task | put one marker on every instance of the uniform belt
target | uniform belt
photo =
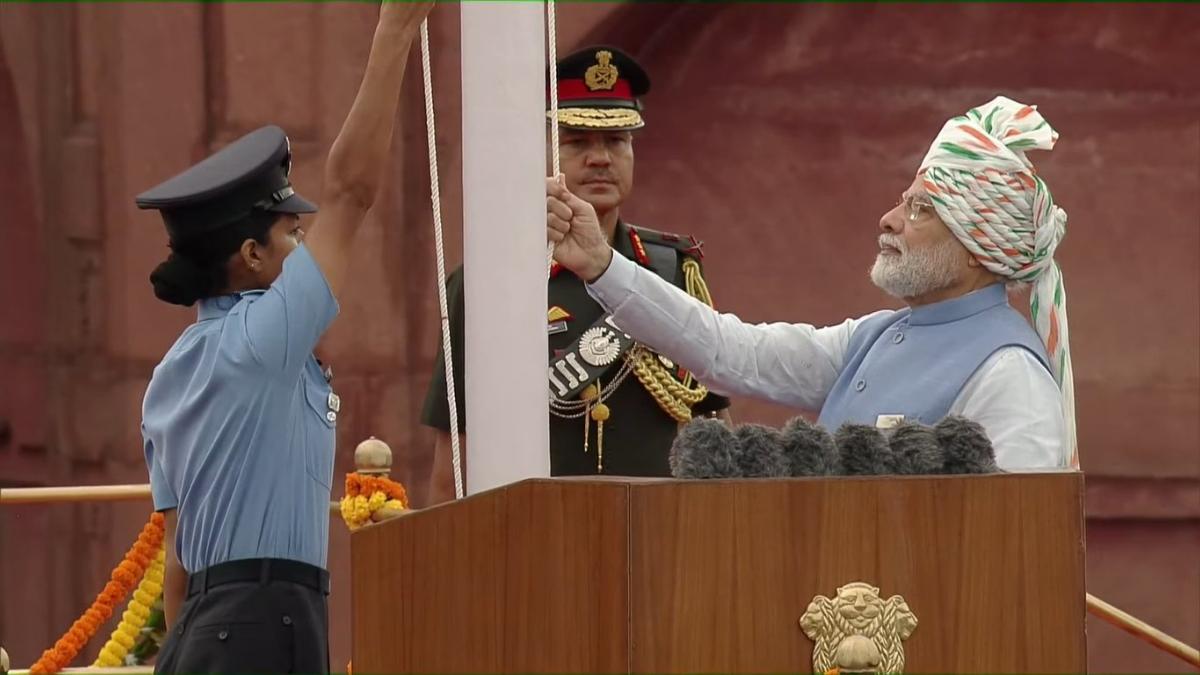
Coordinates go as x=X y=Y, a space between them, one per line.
x=261 y=570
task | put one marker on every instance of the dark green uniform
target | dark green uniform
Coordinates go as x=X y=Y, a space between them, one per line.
x=638 y=433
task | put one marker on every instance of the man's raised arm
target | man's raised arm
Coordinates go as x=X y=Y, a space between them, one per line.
x=792 y=364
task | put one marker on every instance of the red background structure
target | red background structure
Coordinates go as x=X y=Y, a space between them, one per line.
x=778 y=133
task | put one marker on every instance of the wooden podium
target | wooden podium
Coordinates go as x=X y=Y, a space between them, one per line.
x=650 y=575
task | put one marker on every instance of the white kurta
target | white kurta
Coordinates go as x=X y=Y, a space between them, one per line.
x=1011 y=394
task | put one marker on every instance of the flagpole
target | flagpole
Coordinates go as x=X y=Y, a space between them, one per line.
x=504 y=242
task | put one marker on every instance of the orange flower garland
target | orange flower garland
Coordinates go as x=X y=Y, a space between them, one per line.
x=371 y=498
x=361 y=484
x=124 y=639
x=124 y=578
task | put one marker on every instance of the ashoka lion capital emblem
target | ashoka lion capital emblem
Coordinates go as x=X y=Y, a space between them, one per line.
x=857 y=631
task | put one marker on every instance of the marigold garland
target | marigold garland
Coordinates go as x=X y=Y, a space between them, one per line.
x=368 y=496
x=363 y=484
x=136 y=613
x=152 y=636
x=119 y=586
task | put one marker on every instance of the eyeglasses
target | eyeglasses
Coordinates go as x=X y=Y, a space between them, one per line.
x=914 y=206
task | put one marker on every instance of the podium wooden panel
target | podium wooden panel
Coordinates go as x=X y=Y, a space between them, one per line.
x=629 y=575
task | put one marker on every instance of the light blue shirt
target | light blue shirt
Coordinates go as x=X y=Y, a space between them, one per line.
x=238 y=424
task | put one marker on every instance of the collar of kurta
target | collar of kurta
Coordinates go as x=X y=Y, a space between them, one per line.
x=219 y=306
x=960 y=307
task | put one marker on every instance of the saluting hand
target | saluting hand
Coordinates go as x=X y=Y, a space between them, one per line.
x=572 y=225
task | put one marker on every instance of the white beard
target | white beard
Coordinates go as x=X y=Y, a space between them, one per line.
x=914 y=273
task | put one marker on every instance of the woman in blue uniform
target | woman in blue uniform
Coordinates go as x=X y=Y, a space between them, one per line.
x=239 y=419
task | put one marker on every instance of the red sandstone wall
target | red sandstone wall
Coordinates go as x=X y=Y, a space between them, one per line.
x=790 y=129
x=778 y=133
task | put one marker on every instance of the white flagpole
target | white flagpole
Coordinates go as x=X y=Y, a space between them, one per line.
x=504 y=242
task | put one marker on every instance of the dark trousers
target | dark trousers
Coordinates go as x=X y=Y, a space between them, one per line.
x=251 y=616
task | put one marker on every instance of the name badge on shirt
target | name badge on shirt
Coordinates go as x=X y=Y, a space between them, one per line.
x=556 y=320
x=335 y=406
x=888 y=421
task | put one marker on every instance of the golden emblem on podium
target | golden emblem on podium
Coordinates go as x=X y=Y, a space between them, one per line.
x=857 y=631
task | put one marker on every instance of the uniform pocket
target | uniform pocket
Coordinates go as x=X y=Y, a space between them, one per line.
x=236 y=648
x=320 y=431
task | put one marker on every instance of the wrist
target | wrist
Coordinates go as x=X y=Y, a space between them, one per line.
x=600 y=265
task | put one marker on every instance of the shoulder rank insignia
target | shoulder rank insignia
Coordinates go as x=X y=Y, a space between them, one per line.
x=639 y=250
x=688 y=245
x=603 y=75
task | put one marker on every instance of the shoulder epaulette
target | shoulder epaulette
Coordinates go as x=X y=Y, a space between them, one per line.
x=686 y=244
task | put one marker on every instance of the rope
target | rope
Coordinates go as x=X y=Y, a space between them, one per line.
x=436 y=197
x=552 y=59
x=552 y=51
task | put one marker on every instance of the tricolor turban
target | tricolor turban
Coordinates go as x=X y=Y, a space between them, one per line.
x=988 y=194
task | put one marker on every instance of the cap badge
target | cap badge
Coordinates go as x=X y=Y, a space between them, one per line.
x=603 y=75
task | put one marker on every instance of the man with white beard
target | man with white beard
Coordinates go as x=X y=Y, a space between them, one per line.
x=975 y=219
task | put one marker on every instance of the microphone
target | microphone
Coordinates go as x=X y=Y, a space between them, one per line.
x=809 y=450
x=704 y=448
x=915 y=450
x=966 y=447
x=864 y=451
x=760 y=452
